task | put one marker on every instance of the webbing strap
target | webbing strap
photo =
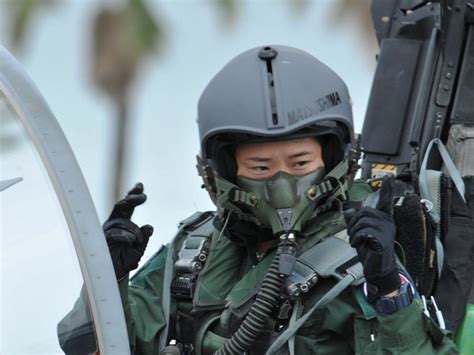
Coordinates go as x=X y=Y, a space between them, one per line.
x=451 y=168
x=328 y=297
x=169 y=271
x=245 y=197
x=339 y=170
x=336 y=174
x=426 y=181
x=202 y=330
x=166 y=301
x=294 y=316
x=439 y=256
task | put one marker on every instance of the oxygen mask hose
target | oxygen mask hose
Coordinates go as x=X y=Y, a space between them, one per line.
x=265 y=302
x=266 y=299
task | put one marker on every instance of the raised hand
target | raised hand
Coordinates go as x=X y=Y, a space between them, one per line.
x=127 y=242
x=372 y=233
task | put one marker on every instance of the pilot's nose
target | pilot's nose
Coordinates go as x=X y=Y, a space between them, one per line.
x=283 y=168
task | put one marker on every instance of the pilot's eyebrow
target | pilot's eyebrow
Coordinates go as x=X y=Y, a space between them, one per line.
x=299 y=154
x=259 y=159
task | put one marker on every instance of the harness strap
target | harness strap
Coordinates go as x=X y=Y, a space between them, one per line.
x=297 y=308
x=429 y=184
x=450 y=167
x=191 y=259
x=197 y=219
x=439 y=255
x=166 y=296
x=202 y=331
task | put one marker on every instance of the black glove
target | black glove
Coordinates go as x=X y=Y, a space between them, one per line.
x=372 y=233
x=126 y=241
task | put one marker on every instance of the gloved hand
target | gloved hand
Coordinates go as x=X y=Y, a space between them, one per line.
x=126 y=241
x=372 y=233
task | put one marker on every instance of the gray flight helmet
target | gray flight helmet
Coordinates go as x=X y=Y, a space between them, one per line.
x=273 y=92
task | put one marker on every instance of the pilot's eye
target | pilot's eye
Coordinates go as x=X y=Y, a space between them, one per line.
x=260 y=169
x=301 y=164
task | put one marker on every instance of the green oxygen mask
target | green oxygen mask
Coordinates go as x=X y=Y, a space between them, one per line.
x=284 y=202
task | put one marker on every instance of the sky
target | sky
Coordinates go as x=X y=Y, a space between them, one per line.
x=164 y=133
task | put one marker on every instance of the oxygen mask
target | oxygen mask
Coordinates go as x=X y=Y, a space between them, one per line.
x=284 y=201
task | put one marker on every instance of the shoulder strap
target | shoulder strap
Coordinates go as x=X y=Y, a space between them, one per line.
x=195 y=221
x=430 y=185
x=198 y=219
x=450 y=167
x=192 y=256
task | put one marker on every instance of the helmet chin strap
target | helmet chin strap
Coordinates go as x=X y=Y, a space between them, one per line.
x=284 y=202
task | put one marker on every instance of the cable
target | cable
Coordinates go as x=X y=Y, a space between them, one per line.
x=265 y=301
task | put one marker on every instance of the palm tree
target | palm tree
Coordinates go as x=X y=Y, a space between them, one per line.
x=123 y=38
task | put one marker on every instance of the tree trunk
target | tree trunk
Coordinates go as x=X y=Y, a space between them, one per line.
x=120 y=148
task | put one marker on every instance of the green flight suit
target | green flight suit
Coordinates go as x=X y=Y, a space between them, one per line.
x=230 y=279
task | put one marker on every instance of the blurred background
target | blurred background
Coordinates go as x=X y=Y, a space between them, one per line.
x=123 y=78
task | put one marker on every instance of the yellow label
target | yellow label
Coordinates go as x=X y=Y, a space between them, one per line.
x=381 y=170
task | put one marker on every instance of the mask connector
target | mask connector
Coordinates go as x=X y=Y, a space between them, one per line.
x=285 y=215
x=287 y=257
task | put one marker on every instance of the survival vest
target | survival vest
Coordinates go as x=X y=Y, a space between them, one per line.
x=214 y=290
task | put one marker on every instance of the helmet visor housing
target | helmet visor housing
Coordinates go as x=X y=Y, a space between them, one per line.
x=274 y=92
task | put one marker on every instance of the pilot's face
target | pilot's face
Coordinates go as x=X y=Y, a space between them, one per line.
x=263 y=160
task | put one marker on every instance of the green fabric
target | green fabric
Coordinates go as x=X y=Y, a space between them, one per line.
x=219 y=276
x=145 y=317
x=346 y=325
x=367 y=309
x=465 y=334
x=325 y=225
x=359 y=191
x=247 y=287
x=208 y=339
x=142 y=302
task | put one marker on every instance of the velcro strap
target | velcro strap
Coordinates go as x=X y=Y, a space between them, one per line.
x=325 y=186
x=245 y=197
